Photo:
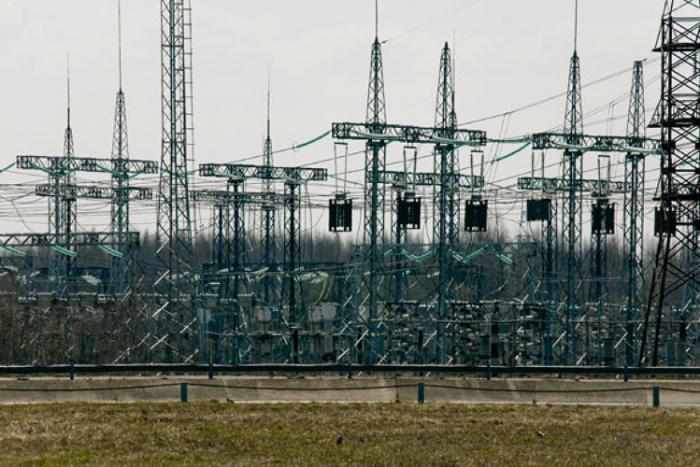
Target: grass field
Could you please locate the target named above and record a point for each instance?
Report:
(405, 434)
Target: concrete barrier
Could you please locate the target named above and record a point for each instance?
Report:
(343, 390)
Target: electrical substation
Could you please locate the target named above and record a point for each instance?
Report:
(425, 272)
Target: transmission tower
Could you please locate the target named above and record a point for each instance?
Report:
(122, 267)
(375, 162)
(572, 212)
(445, 230)
(269, 217)
(62, 208)
(676, 264)
(174, 229)
(634, 209)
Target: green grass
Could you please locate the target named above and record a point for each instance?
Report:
(401, 434)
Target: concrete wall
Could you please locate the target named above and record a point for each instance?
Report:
(337, 389)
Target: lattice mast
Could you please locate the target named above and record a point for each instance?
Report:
(122, 268)
(62, 209)
(572, 205)
(677, 265)
(269, 215)
(445, 229)
(375, 161)
(174, 225)
(634, 209)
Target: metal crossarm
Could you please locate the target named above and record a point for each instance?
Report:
(398, 178)
(93, 192)
(408, 134)
(245, 171)
(228, 197)
(85, 164)
(590, 143)
(561, 185)
(78, 239)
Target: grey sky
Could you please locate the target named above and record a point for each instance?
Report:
(509, 53)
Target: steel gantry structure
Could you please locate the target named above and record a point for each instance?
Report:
(62, 192)
(572, 185)
(377, 136)
(230, 261)
(293, 178)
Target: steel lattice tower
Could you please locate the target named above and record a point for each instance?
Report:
(62, 209)
(678, 118)
(174, 230)
(269, 217)
(122, 268)
(572, 213)
(375, 161)
(634, 209)
(445, 229)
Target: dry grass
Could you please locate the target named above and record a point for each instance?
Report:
(405, 434)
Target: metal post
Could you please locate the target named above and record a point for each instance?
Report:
(656, 396)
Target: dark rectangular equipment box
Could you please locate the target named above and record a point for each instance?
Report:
(408, 212)
(475, 215)
(340, 215)
(661, 226)
(603, 217)
(539, 210)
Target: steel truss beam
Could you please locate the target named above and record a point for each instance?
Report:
(262, 172)
(408, 134)
(559, 185)
(408, 179)
(59, 164)
(229, 197)
(95, 192)
(79, 239)
(599, 144)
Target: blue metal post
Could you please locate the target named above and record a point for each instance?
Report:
(656, 396)
(183, 392)
(421, 393)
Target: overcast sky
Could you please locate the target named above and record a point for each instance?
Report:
(508, 52)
